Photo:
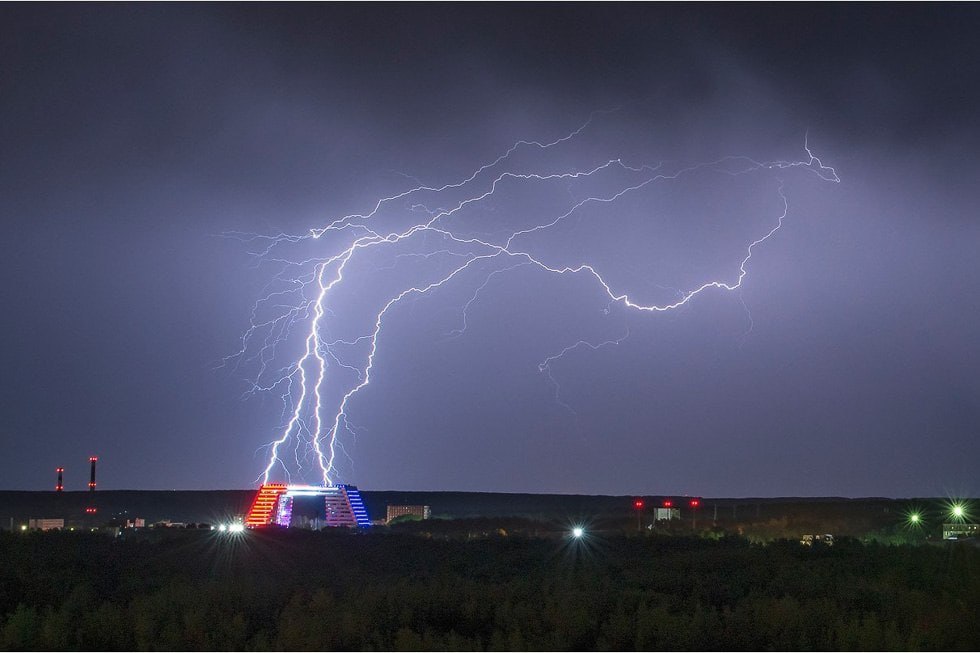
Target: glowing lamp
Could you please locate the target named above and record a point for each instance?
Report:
(578, 532)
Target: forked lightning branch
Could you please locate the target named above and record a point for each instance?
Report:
(444, 228)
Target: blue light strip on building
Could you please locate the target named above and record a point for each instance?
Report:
(357, 506)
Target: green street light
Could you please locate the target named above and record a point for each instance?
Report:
(913, 518)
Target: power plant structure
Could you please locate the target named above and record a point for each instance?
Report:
(91, 479)
(60, 486)
(273, 505)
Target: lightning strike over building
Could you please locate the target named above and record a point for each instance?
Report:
(534, 210)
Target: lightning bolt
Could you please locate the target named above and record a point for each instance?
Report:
(545, 366)
(302, 293)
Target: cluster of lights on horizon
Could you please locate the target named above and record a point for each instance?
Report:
(954, 510)
(302, 382)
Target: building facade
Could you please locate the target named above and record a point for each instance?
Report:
(960, 531)
(422, 512)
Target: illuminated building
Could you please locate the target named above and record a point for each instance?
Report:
(273, 505)
(394, 512)
(45, 524)
(665, 514)
(960, 531)
(826, 539)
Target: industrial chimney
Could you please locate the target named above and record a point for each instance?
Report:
(91, 480)
(60, 486)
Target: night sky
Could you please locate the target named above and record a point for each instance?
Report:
(135, 138)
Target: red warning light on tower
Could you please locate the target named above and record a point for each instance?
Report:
(638, 504)
(91, 480)
(695, 503)
(90, 511)
(60, 486)
(668, 503)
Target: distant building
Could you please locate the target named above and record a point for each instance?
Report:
(666, 514)
(137, 522)
(394, 512)
(45, 524)
(826, 539)
(960, 531)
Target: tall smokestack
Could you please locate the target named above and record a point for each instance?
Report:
(91, 480)
(60, 486)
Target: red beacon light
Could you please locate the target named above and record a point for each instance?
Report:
(668, 503)
(695, 503)
(638, 506)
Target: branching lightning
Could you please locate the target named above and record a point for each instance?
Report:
(545, 366)
(303, 294)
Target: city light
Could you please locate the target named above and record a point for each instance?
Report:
(578, 532)
(957, 510)
(236, 528)
(914, 517)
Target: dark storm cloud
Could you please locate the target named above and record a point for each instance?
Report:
(130, 135)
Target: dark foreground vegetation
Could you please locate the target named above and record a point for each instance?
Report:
(301, 590)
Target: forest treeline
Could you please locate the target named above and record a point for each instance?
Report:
(333, 590)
